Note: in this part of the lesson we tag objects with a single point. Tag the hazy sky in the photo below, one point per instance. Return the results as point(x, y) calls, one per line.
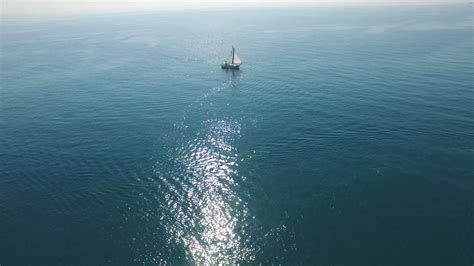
point(38, 7)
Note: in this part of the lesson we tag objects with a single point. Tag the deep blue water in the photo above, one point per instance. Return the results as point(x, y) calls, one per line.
point(347, 138)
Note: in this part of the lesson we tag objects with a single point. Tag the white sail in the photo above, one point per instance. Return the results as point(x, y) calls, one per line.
point(234, 63)
point(237, 60)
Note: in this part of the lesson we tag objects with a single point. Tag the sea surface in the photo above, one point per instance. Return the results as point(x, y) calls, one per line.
point(347, 137)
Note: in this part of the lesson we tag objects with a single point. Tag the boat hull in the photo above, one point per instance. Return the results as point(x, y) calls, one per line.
point(230, 66)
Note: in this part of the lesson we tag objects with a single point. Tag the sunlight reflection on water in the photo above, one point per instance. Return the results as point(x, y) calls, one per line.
point(210, 215)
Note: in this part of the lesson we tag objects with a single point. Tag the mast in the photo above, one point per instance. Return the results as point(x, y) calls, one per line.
point(233, 51)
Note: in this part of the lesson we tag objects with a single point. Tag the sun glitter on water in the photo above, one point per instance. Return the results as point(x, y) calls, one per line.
point(208, 211)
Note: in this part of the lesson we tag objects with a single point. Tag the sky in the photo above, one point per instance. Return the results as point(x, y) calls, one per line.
point(45, 7)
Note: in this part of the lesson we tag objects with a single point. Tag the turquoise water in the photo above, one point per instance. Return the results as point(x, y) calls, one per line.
point(347, 138)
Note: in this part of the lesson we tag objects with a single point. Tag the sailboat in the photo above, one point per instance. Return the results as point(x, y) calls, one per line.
point(234, 63)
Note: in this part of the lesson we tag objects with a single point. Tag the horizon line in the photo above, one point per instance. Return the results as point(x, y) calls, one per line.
point(88, 7)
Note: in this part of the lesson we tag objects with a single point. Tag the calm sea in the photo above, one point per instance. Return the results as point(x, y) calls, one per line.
point(347, 138)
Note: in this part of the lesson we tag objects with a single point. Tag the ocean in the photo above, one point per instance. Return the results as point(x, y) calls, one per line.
point(346, 138)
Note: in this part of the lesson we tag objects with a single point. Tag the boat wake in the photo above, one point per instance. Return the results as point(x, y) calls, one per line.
point(198, 190)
